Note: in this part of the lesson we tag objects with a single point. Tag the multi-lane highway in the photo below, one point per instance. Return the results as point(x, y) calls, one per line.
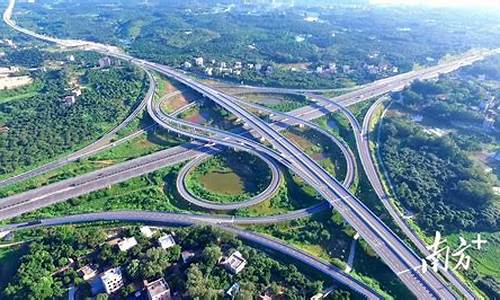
point(408, 260)
point(376, 182)
point(281, 121)
point(393, 251)
point(105, 142)
point(398, 256)
point(362, 136)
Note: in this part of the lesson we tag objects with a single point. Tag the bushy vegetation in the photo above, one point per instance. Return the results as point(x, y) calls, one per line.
point(252, 171)
point(489, 68)
point(42, 126)
point(173, 32)
point(46, 270)
point(326, 235)
point(290, 102)
point(436, 180)
point(262, 274)
point(434, 176)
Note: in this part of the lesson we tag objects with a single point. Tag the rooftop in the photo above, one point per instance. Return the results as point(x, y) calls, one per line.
point(166, 241)
point(111, 274)
point(158, 289)
point(87, 272)
point(235, 262)
point(127, 243)
point(146, 231)
point(187, 255)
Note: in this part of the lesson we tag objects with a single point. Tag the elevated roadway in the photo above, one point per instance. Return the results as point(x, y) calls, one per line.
point(401, 259)
point(170, 219)
point(362, 137)
point(105, 142)
point(391, 249)
point(376, 182)
point(280, 121)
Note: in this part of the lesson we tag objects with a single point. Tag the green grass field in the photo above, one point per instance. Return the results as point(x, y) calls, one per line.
point(484, 261)
point(223, 181)
point(20, 92)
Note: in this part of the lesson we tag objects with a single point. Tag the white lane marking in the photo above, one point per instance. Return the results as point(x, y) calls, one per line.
point(50, 194)
point(408, 270)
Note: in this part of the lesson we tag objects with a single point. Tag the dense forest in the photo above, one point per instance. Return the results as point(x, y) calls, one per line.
point(33, 57)
point(435, 179)
point(370, 41)
point(42, 273)
point(434, 175)
point(42, 126)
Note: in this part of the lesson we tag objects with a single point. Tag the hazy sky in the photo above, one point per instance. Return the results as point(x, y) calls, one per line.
point(472, 3)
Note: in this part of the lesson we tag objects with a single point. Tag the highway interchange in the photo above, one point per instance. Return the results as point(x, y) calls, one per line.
point(397, 255)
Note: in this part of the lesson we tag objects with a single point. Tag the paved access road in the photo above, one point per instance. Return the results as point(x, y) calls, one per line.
point(376, 182)
point(399, 257)
point(394, 252)
point(101, 144)
point(170, 219)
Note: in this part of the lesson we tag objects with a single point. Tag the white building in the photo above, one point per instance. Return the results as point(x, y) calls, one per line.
point(112, 280)
point(158, 290)
point(187, 65)
point(105, 62)
point(69, 100)
point(187, 255)
point(209, 71)
point(127, 243)
point(235, 262)
point(233, 290)
point(87, 272)
point(166, 241)
point(332, 67)
point(199, 61)
point(146, 231)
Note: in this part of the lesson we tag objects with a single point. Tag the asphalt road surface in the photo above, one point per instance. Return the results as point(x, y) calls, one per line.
point(401, 259)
